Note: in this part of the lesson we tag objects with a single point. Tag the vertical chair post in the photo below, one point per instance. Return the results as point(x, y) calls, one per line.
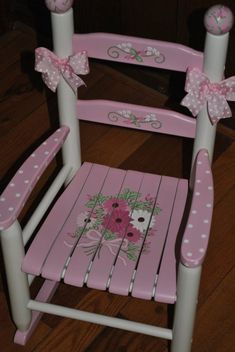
point(62, 31)
point(18, 287)
point(218, 22)
point(185, 310)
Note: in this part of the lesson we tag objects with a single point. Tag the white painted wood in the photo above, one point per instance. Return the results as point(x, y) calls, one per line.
point(62, 31)
point(185, 310)
point(45, 203)
point(101, 319)
point(13, 253)
point(214, 61)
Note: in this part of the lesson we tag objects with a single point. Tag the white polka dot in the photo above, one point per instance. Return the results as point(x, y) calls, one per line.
point(208, 172)
point(12, 184)
point(199, 162)
point(2, 199)
point(198, 181)
point(190, 226)
point(33, 155)
point(210, 188)
point(18, 195)
point(46, 152)
point(203, 235)
point(11, 209)
point(189, 254)
point(194, 211)
point(205, 154)
point(186, 241)
point(35, 166)
point(197, 193)
point(44, 143)
point(26, 181)
point(206, 221)
point(21, 171)
point(201, 250)
point(209, 205)
point(56, 139)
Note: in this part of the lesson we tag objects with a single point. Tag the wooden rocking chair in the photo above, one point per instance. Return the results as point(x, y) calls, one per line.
point(113, 229)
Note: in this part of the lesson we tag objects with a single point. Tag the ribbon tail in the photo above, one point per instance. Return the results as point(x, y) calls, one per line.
point(218, 109)
point(73, 81)
point(189, 102)
point(52, 85)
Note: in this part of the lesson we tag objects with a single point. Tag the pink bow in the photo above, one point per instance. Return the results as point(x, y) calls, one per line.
point(52, 68)
point(201, 91)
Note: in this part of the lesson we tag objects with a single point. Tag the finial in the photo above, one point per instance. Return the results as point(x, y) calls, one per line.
point(59, 6)
point(218, 19)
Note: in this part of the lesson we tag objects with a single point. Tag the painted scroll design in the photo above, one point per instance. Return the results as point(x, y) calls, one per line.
point(130, 53)
point(129, 118)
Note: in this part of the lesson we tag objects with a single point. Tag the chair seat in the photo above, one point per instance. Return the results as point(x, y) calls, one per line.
point(113, 229)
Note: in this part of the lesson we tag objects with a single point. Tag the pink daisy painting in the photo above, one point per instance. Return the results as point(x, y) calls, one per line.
point(132, 234)
point(115, 203)
point(117, 222)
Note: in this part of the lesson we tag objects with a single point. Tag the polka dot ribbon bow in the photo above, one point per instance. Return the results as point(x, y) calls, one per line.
point(52, 68)
point(201, 91)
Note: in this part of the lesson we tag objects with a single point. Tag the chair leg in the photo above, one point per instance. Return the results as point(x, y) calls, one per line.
point(185, 310)
point(18, 287)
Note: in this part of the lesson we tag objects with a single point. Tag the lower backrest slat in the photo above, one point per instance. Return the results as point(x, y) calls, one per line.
point(136, 116)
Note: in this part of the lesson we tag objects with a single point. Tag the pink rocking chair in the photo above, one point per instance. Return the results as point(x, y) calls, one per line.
point(113, 229)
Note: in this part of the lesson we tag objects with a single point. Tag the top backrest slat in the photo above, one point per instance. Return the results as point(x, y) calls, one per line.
point(139, 51)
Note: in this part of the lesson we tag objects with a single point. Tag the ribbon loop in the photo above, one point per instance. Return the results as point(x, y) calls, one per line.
point(53, 67)
point(202, 92)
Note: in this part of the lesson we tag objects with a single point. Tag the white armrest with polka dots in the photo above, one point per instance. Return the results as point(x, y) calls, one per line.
point(196, 235)
point(17, 192)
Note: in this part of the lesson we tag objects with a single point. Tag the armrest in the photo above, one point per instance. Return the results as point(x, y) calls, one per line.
point(197, 232)
point(18, 190)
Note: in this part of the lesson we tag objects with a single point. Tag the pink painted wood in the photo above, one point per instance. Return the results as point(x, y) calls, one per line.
point(196, 236)
point(17, 192)
point(67, 238)
point(103, 262)
point(121, 224)
point(148, 265)
point(138, 51)
point(136, 116)
point(38, 251)
point(123, 272)
point(166, 281)
point(90, 242)
point(45, 294)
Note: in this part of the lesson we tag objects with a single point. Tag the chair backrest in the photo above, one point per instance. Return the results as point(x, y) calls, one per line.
point(140, 52)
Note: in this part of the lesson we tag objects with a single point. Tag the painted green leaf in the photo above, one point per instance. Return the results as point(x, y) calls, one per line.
point(139, 59)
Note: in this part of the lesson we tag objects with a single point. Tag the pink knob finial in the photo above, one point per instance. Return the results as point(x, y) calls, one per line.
point(59, 6)
point(218, 20)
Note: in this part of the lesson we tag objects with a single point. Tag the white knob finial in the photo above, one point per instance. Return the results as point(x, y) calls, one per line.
point(59, 6)
point(218, 19)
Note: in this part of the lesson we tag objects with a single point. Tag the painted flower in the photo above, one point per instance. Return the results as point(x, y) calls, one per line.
point(132, 234)
point(125, 113)
point(117, 222)
point(150, 117)
point(125, 46)
point(152, 51)
point(141, 219)
point(85, 219)
point(114, 203)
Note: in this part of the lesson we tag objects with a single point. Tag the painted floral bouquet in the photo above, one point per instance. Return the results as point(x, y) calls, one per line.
point(111, 221)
